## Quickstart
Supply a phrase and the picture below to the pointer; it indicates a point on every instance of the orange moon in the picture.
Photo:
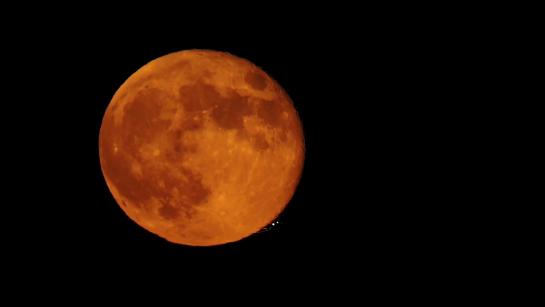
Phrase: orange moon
(201, 148)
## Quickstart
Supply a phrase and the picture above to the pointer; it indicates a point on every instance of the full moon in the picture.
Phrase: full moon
(201, 148)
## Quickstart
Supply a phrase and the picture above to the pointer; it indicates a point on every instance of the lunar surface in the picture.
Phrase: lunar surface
(201, 148)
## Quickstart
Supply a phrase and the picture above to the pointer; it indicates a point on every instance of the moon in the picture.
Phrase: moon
(201, 148)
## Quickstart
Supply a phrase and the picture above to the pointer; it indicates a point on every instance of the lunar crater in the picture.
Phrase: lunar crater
(256, 80)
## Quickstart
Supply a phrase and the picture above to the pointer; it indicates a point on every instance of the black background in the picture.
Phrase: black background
(410, 122)
(375, 135)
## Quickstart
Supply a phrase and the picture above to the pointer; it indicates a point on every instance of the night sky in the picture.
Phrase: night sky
(370, 195)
